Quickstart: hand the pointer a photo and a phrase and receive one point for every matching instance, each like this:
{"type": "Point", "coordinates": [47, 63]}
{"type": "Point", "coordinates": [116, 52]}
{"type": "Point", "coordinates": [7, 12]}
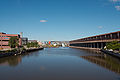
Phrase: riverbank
{"type": "Point", "coordinates": [12, 52]}
{"type": "Point", "coordinates": [117, 55]}
{"type": "Point", "coordinates": [85, 48]}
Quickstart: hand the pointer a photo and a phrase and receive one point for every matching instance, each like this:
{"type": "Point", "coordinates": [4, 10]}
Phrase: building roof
{"type": "Point", "coordinates": [98, 35]}
{"type": "Point", "coordinates": [2, 33]}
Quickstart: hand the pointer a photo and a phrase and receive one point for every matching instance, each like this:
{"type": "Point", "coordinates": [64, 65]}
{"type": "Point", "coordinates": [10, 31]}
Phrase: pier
{"type": "Point", "coordinates": [95, 42]}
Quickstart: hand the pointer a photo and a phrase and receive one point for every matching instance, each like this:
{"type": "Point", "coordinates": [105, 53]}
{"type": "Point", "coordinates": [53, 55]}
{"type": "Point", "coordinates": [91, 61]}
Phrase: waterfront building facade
{"type": "Point", "coordinates": [4, 40]}
{"type": "Point", "coordinates": [30, 41]}
{"type": "Point", "coordinates": [24, 40]}
{"type": "Point", "coordinates": [96, 42]}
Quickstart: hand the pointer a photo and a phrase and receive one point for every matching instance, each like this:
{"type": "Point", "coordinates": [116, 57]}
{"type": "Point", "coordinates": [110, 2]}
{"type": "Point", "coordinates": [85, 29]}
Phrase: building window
{"type": "Point", "coordinates": [5, 38]}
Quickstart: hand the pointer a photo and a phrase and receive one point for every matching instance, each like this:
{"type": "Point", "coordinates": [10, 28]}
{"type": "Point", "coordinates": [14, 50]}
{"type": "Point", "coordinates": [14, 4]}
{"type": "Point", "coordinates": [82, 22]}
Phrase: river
{"type": "Point", "coordinates": [60, 64]}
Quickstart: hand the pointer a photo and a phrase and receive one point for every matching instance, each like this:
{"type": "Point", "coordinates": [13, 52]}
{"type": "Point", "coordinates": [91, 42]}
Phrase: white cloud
{"type": "Point", "coordinates": [43, 20]}
{"type": "Point", "coordinates": [100, 27]}
{"type": "Point", "coordinates": [115, 0]}
{"type": "Point", "coordinates": [117, 7]}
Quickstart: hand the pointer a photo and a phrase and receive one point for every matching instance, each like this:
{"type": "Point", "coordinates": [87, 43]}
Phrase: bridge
{"type": "Point", "coordinates": [95, 42]}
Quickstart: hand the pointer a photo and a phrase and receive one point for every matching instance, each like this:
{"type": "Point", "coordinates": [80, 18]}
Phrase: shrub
{"type": "Point", "coordinates": [115, 45]}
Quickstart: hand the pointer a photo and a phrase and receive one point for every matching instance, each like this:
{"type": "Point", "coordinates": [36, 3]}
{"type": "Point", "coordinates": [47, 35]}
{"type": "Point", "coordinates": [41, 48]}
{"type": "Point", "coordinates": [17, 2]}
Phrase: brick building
{"type": "Point", "coordinates": [4, 39]}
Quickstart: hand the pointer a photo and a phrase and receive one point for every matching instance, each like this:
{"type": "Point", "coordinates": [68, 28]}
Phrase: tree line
{"type": "Point", "coordinates": [14, 43]}
{"type": "Point", "coordinates": [114, 45]}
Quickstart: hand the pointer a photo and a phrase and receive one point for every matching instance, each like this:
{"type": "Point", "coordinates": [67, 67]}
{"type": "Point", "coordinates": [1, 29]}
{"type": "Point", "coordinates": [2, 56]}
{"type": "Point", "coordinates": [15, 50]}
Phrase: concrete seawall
{"type": "Point", "coordinates": [84, 48]}
{"type": "Point", "coordinates": [117, 55]}
{"type": "Point", "coordinates": [33, 49]}
{"type": "Point", "coordinates": [6, 54]}
{"type": "Point", "coordinates": [111, 53]}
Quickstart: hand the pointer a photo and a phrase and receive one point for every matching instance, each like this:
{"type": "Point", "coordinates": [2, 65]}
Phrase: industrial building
{"type": "Point", "coordinates": [98, 41]}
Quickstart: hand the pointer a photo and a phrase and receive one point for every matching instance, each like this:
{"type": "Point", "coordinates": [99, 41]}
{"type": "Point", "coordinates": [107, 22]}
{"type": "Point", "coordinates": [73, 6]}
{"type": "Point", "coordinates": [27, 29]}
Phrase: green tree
{"type": "Point", "coordinates": [32, 44]}
{"type": "Point", "coordinates": [115, 45]}
{"type": "Point", "coordinates": [13, 42]}
{"type": "Point", "coordinates": [28, 45]}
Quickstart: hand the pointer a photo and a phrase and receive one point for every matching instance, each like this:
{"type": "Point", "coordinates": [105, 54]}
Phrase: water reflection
{"type": "Point", "coordinates": [15, 60]}
{"type": "Point", "coordinates": [11, 61]}
{"type": "Point", "coordinates": [60, 64]}
{"type": "Point", "coordinates": [105, 61]}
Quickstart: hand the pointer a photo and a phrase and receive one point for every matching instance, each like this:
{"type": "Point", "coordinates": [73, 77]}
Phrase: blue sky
{"type": "Point", "coordinates": [59, 19]}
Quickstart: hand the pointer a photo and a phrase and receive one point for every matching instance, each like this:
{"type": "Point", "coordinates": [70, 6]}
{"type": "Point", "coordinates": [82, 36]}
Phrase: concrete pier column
{"type": "Point", "coordinates": [94, 45]}
{"type": "Point", "coordinates": [97, 45]}
{"type": "Point", "coordinates": [101, 45]}
{"type": "Point", "coordinates": [86, 45]}
{"type": "Point", "coordinates": [91, 45]}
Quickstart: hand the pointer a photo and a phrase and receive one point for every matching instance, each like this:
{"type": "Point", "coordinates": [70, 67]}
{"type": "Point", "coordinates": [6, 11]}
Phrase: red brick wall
{"type": "Point", "coordinates": [5, 39]}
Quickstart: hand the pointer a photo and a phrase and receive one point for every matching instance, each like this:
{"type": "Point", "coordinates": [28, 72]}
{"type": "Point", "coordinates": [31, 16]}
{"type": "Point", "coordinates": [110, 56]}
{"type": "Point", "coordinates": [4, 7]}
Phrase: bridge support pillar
{"type": "Point", "coordinates": [94, 45]}
{"type": "Point", "coordinates": [97, 45]}
{"type": "Point", "coordinates": [101, 45]}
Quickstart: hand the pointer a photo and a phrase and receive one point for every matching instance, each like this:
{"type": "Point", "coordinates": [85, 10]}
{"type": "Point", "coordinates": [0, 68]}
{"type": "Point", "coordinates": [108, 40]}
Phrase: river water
{"type": "Point", "coordinates": [60, 64]}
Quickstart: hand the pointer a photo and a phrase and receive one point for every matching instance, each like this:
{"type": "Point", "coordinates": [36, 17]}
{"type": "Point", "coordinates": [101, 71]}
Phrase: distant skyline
{"type": "Point", "coordinates": [63, 20]}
